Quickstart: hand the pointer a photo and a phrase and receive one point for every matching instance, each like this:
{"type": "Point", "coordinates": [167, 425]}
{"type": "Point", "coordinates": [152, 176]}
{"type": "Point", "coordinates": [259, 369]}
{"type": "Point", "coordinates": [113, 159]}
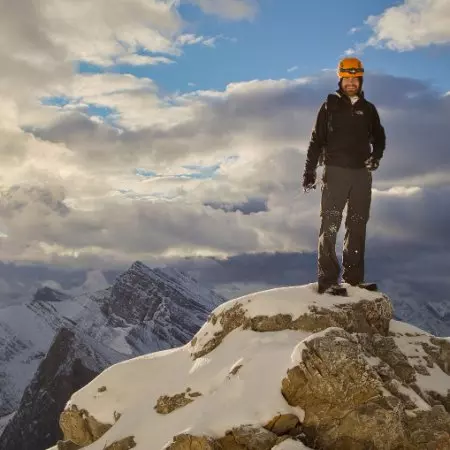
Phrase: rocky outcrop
{"type": "Point", "coordinates": [245, 437]}
{"type": "Point", "coordinates": [363, 317]}
{"type": "Point", "coordinates": [80, 427]}
{"type": "Point", "coordinates": [358, 380]}
{"type": "Point", "coordinates": [351, 402]}
{"type": "Point", "coordinates": [166, 404]}
{"type": "Point", "coordinates": [70, 364]}
{"type": "Point", "coordinates": [139, 293]}
{"type": "Point", "coordinates": [80, 430]}
{"type": "Point", "coordinates": [47, 294]}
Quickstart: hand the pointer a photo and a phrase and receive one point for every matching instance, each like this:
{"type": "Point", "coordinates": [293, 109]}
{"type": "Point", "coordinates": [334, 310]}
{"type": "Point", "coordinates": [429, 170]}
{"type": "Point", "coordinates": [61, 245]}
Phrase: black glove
{"type": "Point", "coordinates": [309, 180]}
{"type": "Point", "coordinates": [372, 163]}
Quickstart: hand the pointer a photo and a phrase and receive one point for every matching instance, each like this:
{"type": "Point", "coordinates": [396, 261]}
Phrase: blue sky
{"type": "Point", "coordinates": [284, 34]}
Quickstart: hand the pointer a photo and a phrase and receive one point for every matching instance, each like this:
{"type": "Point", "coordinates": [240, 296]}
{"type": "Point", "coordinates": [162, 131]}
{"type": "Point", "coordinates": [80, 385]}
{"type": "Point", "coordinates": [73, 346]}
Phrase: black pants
{"type": "Point", "coordinates": [343, 186]}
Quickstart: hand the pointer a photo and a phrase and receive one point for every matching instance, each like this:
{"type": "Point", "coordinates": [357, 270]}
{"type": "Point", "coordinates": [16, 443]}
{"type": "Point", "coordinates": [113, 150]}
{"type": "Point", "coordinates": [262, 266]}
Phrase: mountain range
{"type": "Point", "coordinates": [143, 311]}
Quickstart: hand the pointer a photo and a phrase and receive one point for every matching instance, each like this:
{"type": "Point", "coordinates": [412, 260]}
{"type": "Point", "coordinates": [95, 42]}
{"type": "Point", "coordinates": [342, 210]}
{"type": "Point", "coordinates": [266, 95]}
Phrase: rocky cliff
{"type": "Point", "coordinates": [72, 362]}
{"type": "Point", "coordinates": [279, 369]}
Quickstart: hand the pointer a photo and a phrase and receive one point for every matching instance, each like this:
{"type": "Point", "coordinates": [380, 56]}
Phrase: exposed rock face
{"type": "Point", "coordinates": [47, 294]}
{"type": "Point", "coordinates": [363, 317]}
{"type": "Point", "coordinates": [439, 352]}
{"type": "Point", "coordinates": [139, 293]}
{"type": "Point", "coordinates": [342, 395]}
{"type": "Point", "coordinates": [387, 351]}
{"type": "Point", "coordinates": [188, 442]}
{"type": "Point", "coordinates": [351, 402]}
{"type": "Point", "coordinates": [124, 444]}
{"type": "Point", "coordinates": [71, 363]}
{"type": "Point", "coordinates": [360, 381]}
{"type": "Point", "coordinates": [245, 437]}
{"type": "Point", "coordinates": [166, 404]}
{"type": "Point", "coordinates": [284, 424]}
{"type": "Point", "coordinates": [249, 437]}
{"type": "Point", "coordinates": [80, 427]}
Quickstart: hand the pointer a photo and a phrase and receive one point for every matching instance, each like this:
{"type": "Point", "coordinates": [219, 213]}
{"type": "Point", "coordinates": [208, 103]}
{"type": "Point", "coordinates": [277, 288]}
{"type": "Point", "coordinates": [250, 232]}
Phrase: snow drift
{"type": "Point", "coordinates": [279, 369]}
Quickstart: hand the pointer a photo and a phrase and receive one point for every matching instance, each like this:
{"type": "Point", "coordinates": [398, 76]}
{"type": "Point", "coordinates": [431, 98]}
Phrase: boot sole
{"type": "Point", "coordinates": [341, 291]}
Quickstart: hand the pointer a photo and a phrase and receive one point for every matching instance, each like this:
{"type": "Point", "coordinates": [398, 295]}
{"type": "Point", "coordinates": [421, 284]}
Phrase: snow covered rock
{"type": "Point", "coordinates": [47, 294]}
{"type": "Point", "coordinates": [280, 369]}
{"type": "Point", "coordinates": [363, 316]}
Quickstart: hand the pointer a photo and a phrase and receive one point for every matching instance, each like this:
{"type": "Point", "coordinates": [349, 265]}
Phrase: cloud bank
{"type": "Point", "coordinates": [110, 169]}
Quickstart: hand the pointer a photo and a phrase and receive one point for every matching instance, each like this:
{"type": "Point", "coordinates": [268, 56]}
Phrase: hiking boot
{"type": "Point", "coordinates": [334, 289]}
{"type": "Point", "coordinates": [367, 286]}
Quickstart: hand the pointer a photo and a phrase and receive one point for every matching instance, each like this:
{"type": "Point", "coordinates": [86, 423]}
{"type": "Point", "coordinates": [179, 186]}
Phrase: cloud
{"type": "Point", "coordinates": [206, 172]}
{"type": "Point", "coordinates": [40, 45]}
{"type": "Point", "coordinates": [293, 69]}
{"type": "Point", "coordinates": [211, 125]}
{"type": "Point", "coordinates": [70, 231]}
{"type": "Point", "coordinates": [143, 60]}
{"type": "Point", "coordinates": [170, 126]}
{"type": "Point", "coordinates": [249, 207]}
{"type": "Point", "coordinates": [410, 25]}
{"type": "Point", "coordinates": [354, 30]}
{"type": "Point", "coordinates": [350, 52]}
{"type": "Point", "coordinates": [229, 9]}
{"type": "Point", "coordinates": [413, 215]}
{"type": "Point", "coordinates": [192, 39]}
{"type": "Point", "coordinates": [101, 31]}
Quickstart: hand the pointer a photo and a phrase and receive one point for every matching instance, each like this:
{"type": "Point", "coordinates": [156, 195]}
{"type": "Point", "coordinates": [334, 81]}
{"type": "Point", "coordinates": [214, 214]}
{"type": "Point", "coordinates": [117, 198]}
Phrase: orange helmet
{"type": "Point", "coordinates": [350, 67]}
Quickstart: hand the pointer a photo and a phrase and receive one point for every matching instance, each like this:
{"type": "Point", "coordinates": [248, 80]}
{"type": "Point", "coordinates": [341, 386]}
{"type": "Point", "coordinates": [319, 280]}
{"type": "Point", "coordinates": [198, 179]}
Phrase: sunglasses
{"type": "Point", "coordinates": [352, 70]}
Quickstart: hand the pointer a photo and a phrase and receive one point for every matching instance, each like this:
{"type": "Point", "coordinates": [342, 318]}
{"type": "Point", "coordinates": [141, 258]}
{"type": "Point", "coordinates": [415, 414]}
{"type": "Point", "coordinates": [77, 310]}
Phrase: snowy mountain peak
{"type": "Point", "coordinates": [47, 294]}
{"type": "Point", "coordinates": [139, 269]}
{"type": "Point", "coordinates": [140, 293]}
{"type": "Point", "coordinates": [72, 361]}
{"type": "Point", "coordinates": [280, 369]}
{"type": "Point", "coordinates": [139, 266]}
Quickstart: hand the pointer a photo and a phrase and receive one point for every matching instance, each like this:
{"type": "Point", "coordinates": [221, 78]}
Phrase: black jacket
{"type": "Point", "coordinates": [345, 135]}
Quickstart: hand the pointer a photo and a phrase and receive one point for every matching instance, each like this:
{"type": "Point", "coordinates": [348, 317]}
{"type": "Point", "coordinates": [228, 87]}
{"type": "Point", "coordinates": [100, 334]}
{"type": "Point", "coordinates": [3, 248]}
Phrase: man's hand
{"type": "Point", "coordinates": [372, 163]}
{"type": "Point", "coordinates": [309, 180]}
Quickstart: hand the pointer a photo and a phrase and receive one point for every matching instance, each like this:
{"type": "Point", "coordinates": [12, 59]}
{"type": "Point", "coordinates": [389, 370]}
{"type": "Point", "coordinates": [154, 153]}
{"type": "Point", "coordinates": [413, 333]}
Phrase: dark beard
{"type": "Point", "coordinates": [353, 92]}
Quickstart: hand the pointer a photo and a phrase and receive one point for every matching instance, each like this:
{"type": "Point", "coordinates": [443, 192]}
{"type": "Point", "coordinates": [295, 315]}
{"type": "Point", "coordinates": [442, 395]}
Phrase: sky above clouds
{"type": "Point", "coordinates": [161, 129]}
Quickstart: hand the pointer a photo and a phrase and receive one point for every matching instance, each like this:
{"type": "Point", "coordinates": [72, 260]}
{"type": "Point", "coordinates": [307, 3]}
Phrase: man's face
{"type": "Point", "coordinates": [350, 85]}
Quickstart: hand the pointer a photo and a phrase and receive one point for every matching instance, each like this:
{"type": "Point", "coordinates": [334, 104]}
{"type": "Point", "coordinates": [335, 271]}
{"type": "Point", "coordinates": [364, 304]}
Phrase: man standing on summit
{"type": "Point", "coordinates": [349, 140]}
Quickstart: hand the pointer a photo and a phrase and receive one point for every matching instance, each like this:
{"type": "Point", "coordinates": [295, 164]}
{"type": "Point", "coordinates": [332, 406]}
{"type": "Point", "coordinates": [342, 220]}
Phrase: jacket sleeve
{"type": "Point", "coordinates": [378, 135]}
{"type": "Point", "coordinates": [318, 140]}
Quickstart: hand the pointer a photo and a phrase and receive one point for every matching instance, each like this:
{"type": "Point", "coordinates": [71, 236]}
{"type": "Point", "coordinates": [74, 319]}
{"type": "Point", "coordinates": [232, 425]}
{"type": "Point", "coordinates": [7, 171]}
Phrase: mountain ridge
{"type": "Point", "coordinates": [180, 307]}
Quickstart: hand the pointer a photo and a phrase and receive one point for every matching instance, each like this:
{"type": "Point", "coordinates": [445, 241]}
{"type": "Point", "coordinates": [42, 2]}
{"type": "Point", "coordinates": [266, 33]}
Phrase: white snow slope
{"type": "Point", "coordinates": [249, 396]}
